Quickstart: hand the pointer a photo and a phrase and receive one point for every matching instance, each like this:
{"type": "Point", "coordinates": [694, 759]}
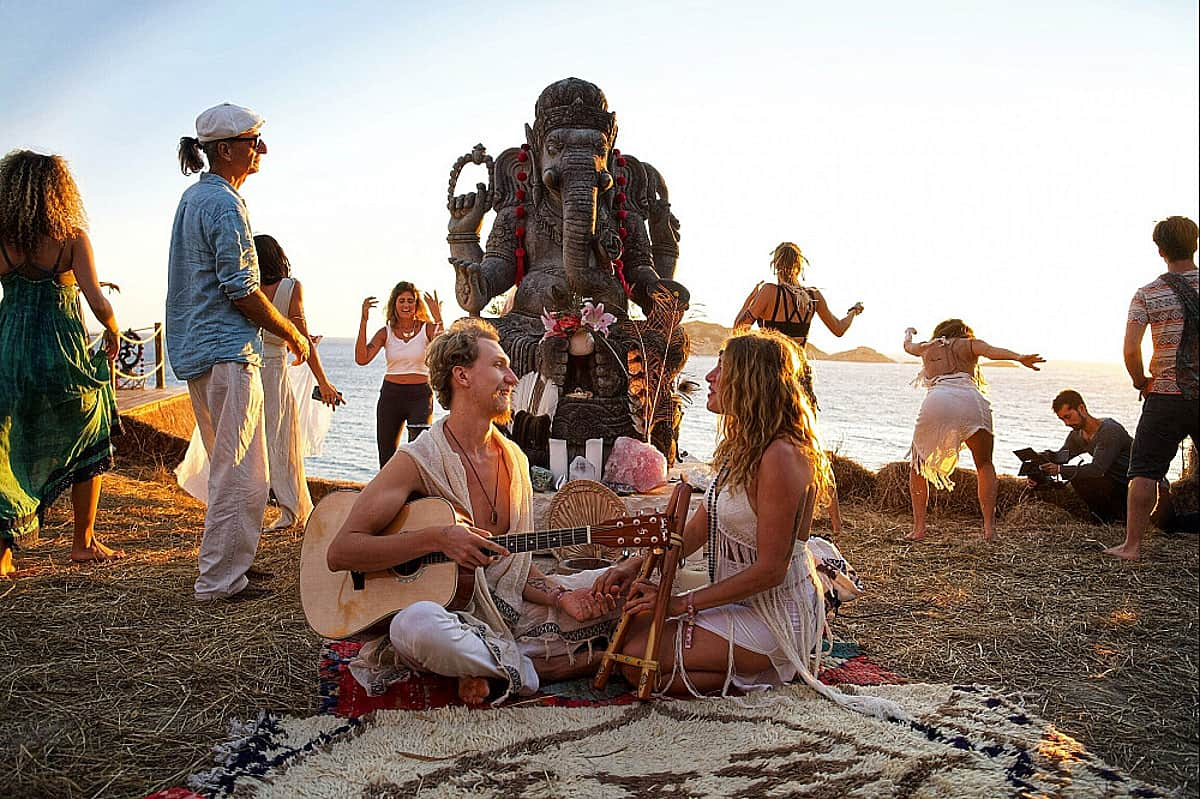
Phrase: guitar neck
{"type": "Point", "coordinates": [529, 542]}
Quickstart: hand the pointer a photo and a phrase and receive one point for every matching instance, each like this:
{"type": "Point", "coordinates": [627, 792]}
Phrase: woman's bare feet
{"type": "Point", "coordinates": [915, 535]}
{"type": "Point", "coordinates": [97, 552]}
{"type": "Point", "coordinates": [1123, 552]}
{"type": "Point", "coordinates": [473, 690]}
{"type": "Point", "coordinates": [7, 569]}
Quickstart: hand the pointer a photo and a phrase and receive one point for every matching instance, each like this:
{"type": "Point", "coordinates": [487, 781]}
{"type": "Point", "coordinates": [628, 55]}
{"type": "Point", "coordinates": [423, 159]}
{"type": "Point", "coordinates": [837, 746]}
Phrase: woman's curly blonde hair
{"type": "Point", "coordinates": [762, 399]}
{"type": "Point", "coordinates": [38, 199]}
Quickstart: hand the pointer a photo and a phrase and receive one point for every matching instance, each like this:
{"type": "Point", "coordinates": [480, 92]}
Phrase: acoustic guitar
{"type": "Point", "coordinates": [341, 604]}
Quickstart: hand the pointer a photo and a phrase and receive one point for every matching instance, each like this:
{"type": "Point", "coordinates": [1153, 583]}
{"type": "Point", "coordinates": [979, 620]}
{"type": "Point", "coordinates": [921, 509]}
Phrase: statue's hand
{"type": "Point", "coordinates": [467, 210]}
{"type": "Point", "coordinates": [469, 288]}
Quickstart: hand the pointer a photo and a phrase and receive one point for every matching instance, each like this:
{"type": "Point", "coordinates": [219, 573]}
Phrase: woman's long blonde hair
{"type": "Point", "coordinates": [762, 400]}
{"type": "Point", "coordinates": [38, 199]}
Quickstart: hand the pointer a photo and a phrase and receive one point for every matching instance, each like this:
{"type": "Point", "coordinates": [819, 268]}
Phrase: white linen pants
{"type": "Point", "coordinates": [228, 405]}
{"type": "Point", "coordinates": [284, 456]}
{"type": "Point", "coordinates": [427, 637]}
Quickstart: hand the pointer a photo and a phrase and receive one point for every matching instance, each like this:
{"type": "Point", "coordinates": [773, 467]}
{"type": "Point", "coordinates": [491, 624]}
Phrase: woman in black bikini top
{"type": "Point", "coordinates": [789, 307]}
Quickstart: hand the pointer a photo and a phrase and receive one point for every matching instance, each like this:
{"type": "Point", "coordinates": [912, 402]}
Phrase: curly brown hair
{"type": "Point", "coordinates": [458, 346]}
{"type": "Point", "coordinates": [953, 328]}
{"type": "Point", "coordinates": [762, 399]}
{"type": "Point", "coordinates": [38, 199]}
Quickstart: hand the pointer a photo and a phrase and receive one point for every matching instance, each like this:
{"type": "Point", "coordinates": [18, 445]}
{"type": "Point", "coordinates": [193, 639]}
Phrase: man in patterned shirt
{"type": "Point", "coordinates": [1170, 305]}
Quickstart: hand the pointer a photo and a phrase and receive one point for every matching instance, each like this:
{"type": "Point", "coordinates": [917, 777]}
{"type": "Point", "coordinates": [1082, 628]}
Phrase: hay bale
{"type": "Point", "coordinates": [1033, 514]}
{"type": "Point", "coordinates": [891, 487]}
{"type": "Point", "coordinates": [1185, 492]}
{"type": "Point", "coordinates": [892, 493]}
{"type": "Point", "coordinates": [854, 481]}
{"type": "Point", "coordinates": [1010, 493]}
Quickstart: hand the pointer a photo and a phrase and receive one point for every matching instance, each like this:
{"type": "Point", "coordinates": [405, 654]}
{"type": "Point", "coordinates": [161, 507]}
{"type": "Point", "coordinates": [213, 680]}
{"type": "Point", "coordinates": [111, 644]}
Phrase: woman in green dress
{"type": "Point", "coordinates": [56, 400]}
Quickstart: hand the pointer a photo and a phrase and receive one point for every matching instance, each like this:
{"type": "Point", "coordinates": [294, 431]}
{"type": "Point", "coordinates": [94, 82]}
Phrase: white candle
{"type": "Point", "coordinates": [558, 458]}
{"type": "Point", "coordinates": [594, 450]}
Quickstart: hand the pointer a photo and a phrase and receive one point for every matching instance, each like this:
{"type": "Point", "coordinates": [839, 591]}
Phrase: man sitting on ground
{"type": "Point", "coordinates": [513, 630]}
{"type": "Point", "coordinates": [1101, 484]}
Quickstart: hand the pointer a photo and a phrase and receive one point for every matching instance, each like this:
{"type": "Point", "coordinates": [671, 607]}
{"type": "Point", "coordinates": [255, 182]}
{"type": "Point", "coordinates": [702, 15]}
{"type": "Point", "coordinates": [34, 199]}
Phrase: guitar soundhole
{"type": "Point", "coordinates": [407, 569]}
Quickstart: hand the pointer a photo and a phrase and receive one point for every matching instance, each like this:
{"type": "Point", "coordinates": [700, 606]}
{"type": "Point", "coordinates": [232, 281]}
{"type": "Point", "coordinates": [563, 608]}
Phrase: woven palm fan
{"type": "Point", "coordinates": [580, 503]}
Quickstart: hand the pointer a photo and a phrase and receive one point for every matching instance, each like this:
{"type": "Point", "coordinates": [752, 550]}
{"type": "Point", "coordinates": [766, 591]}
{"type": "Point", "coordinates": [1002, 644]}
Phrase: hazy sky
{"type": "Point", "coordinates": [1002, 162]}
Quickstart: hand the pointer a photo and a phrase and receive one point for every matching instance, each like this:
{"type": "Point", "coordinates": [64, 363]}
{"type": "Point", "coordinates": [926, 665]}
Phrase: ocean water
{"type": "Point", "coordinates": [867, 410]}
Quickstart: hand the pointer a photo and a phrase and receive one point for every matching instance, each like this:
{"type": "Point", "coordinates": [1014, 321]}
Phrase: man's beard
{"type": "Point", "coordinates": [503, 417]}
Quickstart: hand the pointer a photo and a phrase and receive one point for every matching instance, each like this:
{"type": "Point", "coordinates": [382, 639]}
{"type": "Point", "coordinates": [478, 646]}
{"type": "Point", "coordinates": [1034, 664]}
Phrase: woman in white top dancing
{"type": "Point", "coordinates": [405, 399]}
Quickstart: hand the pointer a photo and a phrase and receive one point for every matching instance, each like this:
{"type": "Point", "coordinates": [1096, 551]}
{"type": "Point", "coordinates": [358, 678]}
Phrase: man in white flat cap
{"type": "Point", "coordinates": [215, 311]}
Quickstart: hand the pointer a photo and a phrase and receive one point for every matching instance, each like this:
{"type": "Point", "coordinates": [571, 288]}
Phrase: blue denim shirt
{"type": "Point", "coordinates": [212, 263]}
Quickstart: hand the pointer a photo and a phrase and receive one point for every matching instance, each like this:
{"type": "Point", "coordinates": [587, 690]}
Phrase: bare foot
{"type": "Point", "coordinates": [472, 690]}
{"type": "Point", "coordinates": [989, 535]}
{"type": "Point", "coordinates": [97, 552]}
{"type": "Point", "coordinates": [915, 535]}
{"type": "Point", "coordinates": [1122, 552]}
{"type": "Point", "coordinates": [7, 569]}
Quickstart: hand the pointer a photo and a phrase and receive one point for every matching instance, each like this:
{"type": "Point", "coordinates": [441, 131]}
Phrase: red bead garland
{"type": "Point", "coordinates": [618, 265]}
{"type": "Point", "coordinates": [522, 176]}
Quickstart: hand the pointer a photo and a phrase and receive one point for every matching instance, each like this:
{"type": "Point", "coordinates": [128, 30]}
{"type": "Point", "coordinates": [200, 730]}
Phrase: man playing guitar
{"type": "Point", "coordinates": [513, 629]}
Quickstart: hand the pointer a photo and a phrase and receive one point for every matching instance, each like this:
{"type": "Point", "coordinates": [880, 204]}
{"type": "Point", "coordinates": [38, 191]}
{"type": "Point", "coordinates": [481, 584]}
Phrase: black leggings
{"type": "Point", "coordinates": [401, 404]}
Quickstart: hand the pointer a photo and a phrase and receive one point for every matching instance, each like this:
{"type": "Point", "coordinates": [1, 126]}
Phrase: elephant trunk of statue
{"type": "Point", "coordinates": [578, 189]}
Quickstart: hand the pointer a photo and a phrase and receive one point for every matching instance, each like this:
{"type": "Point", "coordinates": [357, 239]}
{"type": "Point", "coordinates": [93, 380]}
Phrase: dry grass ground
{"type": "Point", "coordinates": [116, 683]}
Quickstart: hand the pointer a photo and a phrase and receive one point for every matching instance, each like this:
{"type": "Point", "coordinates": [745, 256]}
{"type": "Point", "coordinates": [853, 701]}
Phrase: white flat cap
{"type": "Point", "coordinates": [225, 121]}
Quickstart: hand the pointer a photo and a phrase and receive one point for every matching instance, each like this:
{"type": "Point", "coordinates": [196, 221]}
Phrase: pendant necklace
{"type": "Point", "coordinates": [491, 501]}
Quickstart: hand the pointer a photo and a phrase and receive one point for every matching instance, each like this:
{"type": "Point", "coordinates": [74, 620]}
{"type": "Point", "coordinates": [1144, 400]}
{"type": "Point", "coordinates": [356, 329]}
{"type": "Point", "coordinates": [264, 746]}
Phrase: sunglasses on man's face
{"type": "Point", "coordinates": [254, 140]}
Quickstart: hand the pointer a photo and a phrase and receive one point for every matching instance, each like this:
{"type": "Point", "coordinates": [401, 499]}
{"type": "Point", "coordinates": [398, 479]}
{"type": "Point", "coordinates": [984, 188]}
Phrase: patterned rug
{"type": "Point", "coordinates": [342, 695]}
{"type": "Point", "coordinates": [961, 741]}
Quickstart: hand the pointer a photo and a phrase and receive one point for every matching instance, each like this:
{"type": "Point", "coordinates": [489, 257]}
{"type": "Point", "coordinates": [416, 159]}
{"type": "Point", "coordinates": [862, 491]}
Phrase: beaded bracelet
{"type": "Point", "coordinates": [689, 624]}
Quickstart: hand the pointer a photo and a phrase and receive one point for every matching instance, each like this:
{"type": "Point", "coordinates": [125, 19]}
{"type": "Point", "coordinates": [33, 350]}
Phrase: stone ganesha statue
{"type": "Point", "coordinates": [576, 220]}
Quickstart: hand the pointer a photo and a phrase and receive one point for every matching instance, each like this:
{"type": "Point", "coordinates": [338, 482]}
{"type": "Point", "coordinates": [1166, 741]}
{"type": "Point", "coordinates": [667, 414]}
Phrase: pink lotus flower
{"type": "Point", "coordinates": [595, 317]}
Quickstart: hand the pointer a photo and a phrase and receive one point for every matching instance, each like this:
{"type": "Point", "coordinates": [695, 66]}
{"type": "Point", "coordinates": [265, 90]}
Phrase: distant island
{"type": "Point", "coordinates": [707, 338]}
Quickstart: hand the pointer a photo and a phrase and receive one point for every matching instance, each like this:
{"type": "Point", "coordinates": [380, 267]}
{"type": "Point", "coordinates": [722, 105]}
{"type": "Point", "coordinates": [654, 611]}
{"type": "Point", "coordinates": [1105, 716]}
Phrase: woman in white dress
{"type": "Point", "coordinates": [285, 452]}
{"type": "Point", "coordinates": [758, 623]}
{"type": "Point", "coordinates": [954, 412]}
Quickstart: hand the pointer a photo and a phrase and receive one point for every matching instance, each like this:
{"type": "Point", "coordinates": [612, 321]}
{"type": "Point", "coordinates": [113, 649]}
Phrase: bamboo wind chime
{"type": "Point", "coordinates": [666, 560]}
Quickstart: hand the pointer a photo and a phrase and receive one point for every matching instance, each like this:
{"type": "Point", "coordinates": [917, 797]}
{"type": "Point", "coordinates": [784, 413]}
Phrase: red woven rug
{"type": "Point", "coordinates": [341, 694]}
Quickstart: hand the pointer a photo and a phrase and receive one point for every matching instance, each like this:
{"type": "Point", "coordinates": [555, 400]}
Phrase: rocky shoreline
{"type": "Point", "coordinates": [707, 338]}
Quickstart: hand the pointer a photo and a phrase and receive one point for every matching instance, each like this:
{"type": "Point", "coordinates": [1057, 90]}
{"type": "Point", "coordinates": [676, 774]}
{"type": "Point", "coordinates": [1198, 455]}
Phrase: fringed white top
{"type": "Point", "coordinates": [792, 614]}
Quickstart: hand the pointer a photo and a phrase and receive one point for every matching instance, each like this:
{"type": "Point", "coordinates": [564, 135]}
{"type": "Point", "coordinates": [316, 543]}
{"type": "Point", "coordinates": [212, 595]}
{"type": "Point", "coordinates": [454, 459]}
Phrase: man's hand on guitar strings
{"type": "Point", "coordinates": [470, 546]}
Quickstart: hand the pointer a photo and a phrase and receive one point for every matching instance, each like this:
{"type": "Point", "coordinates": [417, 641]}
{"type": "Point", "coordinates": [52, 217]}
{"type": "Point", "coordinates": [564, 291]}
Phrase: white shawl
{"type": "Point", "coordinates": [497, 613]}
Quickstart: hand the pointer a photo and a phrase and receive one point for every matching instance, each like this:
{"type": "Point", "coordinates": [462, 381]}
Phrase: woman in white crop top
{"type": "Point", "coordinates": [405, 399]}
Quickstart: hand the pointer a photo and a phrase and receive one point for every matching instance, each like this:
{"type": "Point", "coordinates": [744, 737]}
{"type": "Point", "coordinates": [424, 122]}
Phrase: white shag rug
{"type": "Point", "coordinates": [965, 741]}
